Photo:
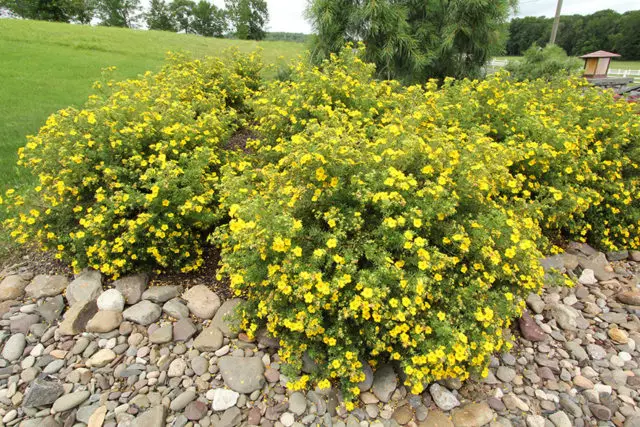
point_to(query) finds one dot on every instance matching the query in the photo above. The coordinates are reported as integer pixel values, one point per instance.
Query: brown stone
(629, 297)
(403, 415)
(76, 318)
(436, 418)
(618, 335)
(472, 415)
(530, 329)
(12, 287)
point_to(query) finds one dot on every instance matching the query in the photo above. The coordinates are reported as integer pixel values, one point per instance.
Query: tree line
(245, 19)
(580, 34)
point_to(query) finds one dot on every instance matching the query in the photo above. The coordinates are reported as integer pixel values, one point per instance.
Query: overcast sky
(288, 15)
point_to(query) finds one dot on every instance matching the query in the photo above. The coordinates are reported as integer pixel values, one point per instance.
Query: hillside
(47, 66)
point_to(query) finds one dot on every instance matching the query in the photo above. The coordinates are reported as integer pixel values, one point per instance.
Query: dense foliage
(128, 182)
(248, 18)
(376, 222)
(580, 34)
(414, 40)
(366, 222)
(550, 62)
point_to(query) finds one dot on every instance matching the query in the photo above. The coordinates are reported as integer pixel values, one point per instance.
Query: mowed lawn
(47, 66)
(615, 64)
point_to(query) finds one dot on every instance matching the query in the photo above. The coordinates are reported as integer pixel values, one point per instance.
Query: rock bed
(133, 355)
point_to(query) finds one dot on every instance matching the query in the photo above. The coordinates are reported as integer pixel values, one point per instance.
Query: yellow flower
(367, 293)
(332, 243)
(441, 316)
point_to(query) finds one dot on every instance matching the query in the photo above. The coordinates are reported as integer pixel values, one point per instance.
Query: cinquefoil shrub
(579, 151)
(398, 245)
(128, 182)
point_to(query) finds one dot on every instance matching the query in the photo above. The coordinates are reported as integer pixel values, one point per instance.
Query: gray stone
(196, 410)
(297, 403)
(23, 322)
(566, 317)
(144, 313)
(182, 400)
(84, 413)
(183, 329)
(506, 374)
(535, 303)
(223, 399)
(210, 339)
(12, 287)
(560, 419)
(46, 286)
(14, 347)
(161, 294)
(596, 352)
(70, 401)
(242, 374)
(77, 316)
(104, 321)
(53, 366)
(132, 287)
(601, 412)
(230, 418)
(443, 397)
(599, 264)
(199, 365)
(162, 335)
(174, 308)
(43, 392)
(154, 417)
(52, 308)
(588, 277)
(226, 318)
(617, 255)
(576, 350)
(366, 384)
(111, 300)
(385, 382)
(86, 287)
(202, 301)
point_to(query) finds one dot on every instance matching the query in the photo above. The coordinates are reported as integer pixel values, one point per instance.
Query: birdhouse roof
(600, 54)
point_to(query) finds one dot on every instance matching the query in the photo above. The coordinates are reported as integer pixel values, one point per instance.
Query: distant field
(47, 66)
(622, 65)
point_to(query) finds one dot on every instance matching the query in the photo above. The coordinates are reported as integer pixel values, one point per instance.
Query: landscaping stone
(242, 374)
(12, 287)
(76, 318)
(202, 301)
(210, 339)
(111, 300)
(70, 401)
(472, 415)
(183, 329)
(161, 294)
(174, 308)
(154, 417)
(223, 399)
(443, 397)
(104, 321)
(51, 309)
(44, 285)
(162, 335)
(86, 287)
(43, 392)
(143, 313)
(132, 287)
(226, 318)
(385, 382)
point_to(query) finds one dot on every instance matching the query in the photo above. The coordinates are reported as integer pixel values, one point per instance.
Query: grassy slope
(622, 65)
(47, 66)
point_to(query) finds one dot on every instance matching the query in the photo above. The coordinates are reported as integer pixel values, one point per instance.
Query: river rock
(52, 308)
(86, 287)
(182, 400)
(226, 318)
(202, 301)
(101, 358)
(588, 277)
(385, 382)
(43, 392)
(132, 287)
(46, 286)
(443, 397)
(565, 316)
(144, 313)
(70, 401)
(183, 329)
(223, 399)
(472, 415)
(12, 287)
(161, 294)
(629, 297)
(162, 335)
(111, 300)
(242, 374)
(174, 308)
(104, 321)
(210, 339)
(154, 417)
(530, 329)
(76, 318)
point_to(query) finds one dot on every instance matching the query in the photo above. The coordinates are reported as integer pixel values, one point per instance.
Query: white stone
(602, 388)
(222, 398)
(111, 300)
(624, 356)
(588, 277)
(101, 358)
(287, 419)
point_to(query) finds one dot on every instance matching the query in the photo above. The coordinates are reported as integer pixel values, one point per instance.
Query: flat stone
(472, 415)
(14, 347)
(101, 358)
(226, 319)
(210, 339)
(242, 374)
(144, 313)
(196, 410)
(297, 403)
(104, 321)
(535, 303)
(162, 335)
(230, 418)
(174, 308)
(596, 352)
(182, 400)
(223, 399)
(53, 366)
(22, 323)
(43, 392)
(199, 365)
(12, 287)
(436, 418)
(202, 301)
(76, 318)
(601, 412)
(111, 300)
(154, 417)
(86, 287)
(443, 397)
(176, 368)
(560, 419)
(70, 401)
(183, 329)
(629, 297)
(565, 316)
(506, 374)
(51, 309)
(403, 415)
(84, 413)
(161, 294)
(97, 417)
(385, 382)
(132, 287)
(44, 285)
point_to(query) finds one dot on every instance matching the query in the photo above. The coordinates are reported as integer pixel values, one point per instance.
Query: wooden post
(556, 22)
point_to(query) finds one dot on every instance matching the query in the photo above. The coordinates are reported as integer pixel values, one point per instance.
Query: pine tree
(413, 40)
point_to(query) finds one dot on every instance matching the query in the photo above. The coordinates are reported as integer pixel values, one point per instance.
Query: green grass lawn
(621, 65)
(47, 66)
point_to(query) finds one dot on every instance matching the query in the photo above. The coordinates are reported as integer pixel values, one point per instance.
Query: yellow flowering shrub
(579, 151)
(128, 182)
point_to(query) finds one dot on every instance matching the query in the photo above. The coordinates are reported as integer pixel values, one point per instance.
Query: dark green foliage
(544, 63)
(208, 20)
(182, 11)
(159, 17)
(578, 34)
(248, 18)
(118, 13)
(289, 37)
(413, 40)
(50, 10)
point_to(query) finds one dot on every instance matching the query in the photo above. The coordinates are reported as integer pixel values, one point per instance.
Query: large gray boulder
(86, 287)
(44, 285)
(242, 374)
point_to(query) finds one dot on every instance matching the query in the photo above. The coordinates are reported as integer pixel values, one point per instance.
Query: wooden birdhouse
(596, 64)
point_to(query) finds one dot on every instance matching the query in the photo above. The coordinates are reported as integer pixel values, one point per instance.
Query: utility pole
(556, 22)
